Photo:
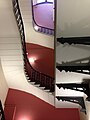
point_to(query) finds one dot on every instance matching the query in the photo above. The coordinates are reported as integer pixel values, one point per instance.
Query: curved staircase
(14, 60)
(32, 75)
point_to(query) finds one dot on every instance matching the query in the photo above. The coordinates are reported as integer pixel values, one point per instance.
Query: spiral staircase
(15, 64)
(73, 70)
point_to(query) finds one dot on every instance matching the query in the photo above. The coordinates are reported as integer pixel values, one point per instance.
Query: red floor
(43, 14)
(44, 58)
(29, 107)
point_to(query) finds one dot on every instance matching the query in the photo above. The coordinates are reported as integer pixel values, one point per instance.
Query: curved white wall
(3, 86)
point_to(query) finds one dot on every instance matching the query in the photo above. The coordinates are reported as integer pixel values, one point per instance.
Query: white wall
(8, 27)
(73, 18)
(3, 86)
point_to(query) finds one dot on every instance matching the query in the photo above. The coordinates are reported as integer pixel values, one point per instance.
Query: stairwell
(11, 54)
(72, 54)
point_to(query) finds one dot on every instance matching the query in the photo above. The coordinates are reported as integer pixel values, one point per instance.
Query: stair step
(25, 72)
(42, 87)
(47, 90)
(29, 80)
(27, 77)
(37, 85)
(37, 82)
(32, 82)
(51, 93)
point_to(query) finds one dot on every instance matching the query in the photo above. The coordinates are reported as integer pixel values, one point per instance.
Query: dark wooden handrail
(75, 40)
(33, 75)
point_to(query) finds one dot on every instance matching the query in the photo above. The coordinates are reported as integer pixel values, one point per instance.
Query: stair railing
(81, 87)
(74, 40)
(77, 65)
(32, 75)
(80, 66)
(76, 100)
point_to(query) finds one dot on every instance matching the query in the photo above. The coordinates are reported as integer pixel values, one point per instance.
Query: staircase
(11, 54)
(73, 60)
(32, 75)
(73, 66)
(72, 70)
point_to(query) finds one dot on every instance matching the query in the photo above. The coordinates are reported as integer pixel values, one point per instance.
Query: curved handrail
(35, 76)
(35, 21)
